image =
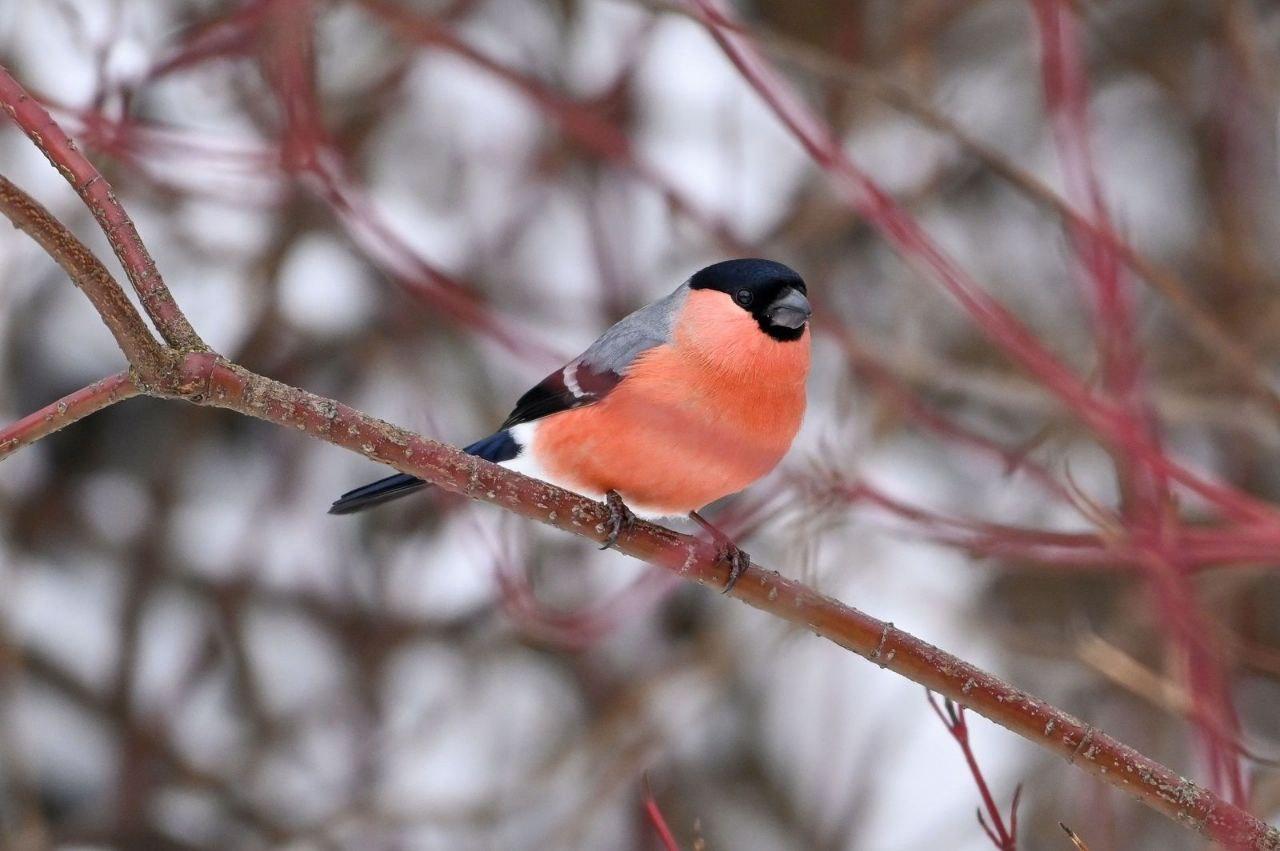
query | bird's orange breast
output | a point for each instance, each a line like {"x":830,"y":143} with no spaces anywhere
{"x":694,"y":420}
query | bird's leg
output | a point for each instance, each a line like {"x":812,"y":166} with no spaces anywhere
{"x":726,"y":551}
{"x":620,"y":517}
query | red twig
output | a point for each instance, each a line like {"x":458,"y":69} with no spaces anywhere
{"x":88,"y":273}
{"x":231,"y":34}
{"x":581,"y":628}
{"x":96,"y":193}
{"x":872,"y":368}
{"x":1201,"y":548}
{"x":1066,"y":91}
{"x":1005,"y":839}
{"x":65,"y":411}
{"x":587,"y":126}
{"x":659,"y":823}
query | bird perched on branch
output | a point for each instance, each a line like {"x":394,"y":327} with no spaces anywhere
{"x":687,"y":400}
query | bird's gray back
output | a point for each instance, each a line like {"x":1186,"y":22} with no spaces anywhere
{"x":594,"y":374}
{"x":635,"y":333}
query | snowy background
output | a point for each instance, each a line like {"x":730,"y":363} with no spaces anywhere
{"x":194,"y":655}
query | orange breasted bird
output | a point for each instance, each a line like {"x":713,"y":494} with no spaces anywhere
{"x":684,"y":401}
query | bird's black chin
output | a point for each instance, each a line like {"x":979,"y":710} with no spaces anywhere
{"x":783,"y":333}
{"x":786,"y":317}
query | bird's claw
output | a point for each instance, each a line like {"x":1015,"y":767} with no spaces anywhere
{"x":727,"y":552}
{"x":620,"y":517}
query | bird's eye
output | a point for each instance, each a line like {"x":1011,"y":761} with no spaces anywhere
{"x":743,"y":297}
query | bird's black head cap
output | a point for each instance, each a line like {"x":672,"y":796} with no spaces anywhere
{"x":772,"y":293}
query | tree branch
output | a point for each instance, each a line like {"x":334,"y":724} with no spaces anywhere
{"x":96,"y":193}
{"x":87,"y":272}
{"x":65,"y":411}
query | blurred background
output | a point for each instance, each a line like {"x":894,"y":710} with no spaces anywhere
{"x":422,"y":208}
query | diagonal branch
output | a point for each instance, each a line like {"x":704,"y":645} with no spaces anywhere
{"x":88,"y":273}
{"x":96,"y":193}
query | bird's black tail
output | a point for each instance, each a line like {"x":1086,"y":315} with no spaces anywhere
{"x":376,"y":493}
{"x":496,"y":448}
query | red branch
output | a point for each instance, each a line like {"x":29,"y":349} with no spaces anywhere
{"x":659,"y":823}
{"x":1004,"y":838}
{"x":96,"y":193}
{"x":68,"y":409}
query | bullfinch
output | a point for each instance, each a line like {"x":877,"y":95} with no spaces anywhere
{"x":684,"y":401}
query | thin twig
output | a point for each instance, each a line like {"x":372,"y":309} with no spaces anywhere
{"x":1004,"y":838}
{"x":65,"y":411}
{"x":87,"y":272}
{"x":96,"y":193}
{"x":654,"y":813}
{"x":1074,"y":837}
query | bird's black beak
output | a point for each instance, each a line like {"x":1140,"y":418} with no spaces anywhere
{"x":790,"y":309}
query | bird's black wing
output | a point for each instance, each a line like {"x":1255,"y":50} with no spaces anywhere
{"x":573,"y":386}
